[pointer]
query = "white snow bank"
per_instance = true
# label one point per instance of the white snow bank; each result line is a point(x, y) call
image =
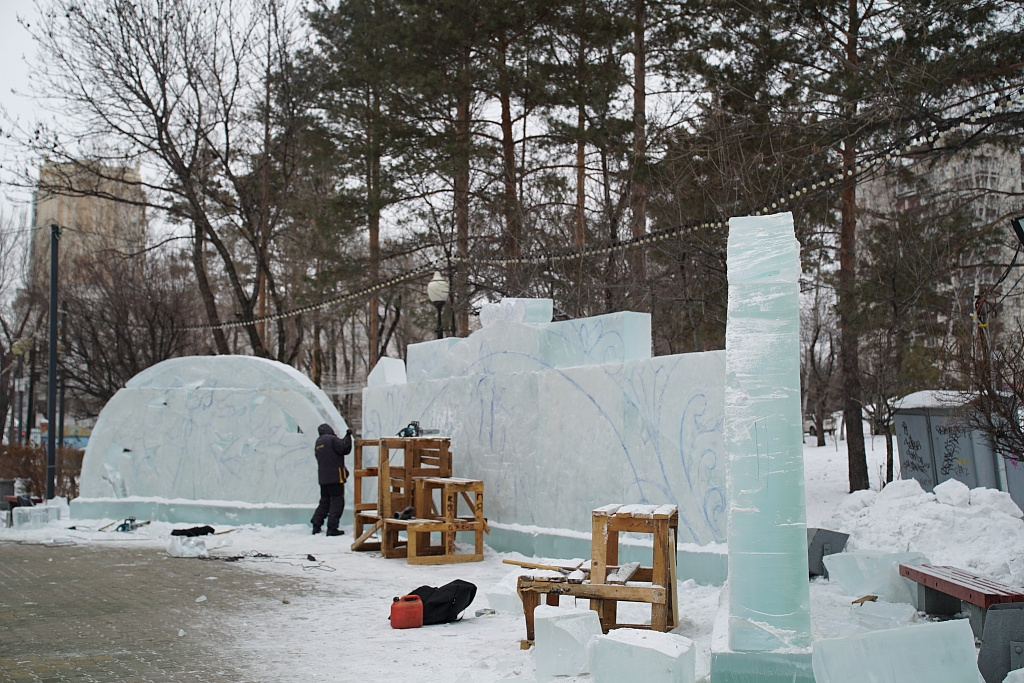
point(979, 530)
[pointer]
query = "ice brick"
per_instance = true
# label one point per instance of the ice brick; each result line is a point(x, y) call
point(561, 637)
point(934, 652)
point(768, 592)
point(210, 428)
point(641, 655)
point(518, 311)
point(420, 359)
point(503, 596)
point(1015, 676)
point(34, 517)
point(386, 371)
point(872, 573)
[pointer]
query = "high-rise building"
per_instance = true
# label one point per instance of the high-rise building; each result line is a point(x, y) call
point(100, 208)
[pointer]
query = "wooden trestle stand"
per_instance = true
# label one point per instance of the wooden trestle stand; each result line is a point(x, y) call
point(426, 467)
point(610, 582)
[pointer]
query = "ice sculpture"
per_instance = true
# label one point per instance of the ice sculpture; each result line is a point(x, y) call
point(561, 640)
point(204, 431)
point(386, 371)
point(559, 418)
point(941, 652)
point(769, 599)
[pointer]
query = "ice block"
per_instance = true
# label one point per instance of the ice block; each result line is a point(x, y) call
point(768, 591)
point(503, 596)
point(386, 371)
point(639, 655)
point(935, 652)
point(561, 637)
point(873, 574)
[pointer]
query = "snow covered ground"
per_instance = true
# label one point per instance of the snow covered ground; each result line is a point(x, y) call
point(339, 625)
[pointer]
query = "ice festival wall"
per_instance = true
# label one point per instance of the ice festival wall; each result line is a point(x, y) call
point(207, 439)
point(558, 418)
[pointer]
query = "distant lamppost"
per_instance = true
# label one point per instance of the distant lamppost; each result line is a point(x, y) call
point(437, 292)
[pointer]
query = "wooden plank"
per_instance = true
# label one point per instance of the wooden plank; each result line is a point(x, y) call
point(651, 594)
point(358, 543)
point(623, 574)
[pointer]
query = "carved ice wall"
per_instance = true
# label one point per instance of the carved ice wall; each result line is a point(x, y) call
point(560, 418)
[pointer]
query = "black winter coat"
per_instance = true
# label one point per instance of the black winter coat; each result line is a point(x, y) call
point(330, 455)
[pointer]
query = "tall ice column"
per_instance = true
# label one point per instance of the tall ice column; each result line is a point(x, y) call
point(769, 599)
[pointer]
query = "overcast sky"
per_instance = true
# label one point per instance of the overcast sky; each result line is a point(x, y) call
point(15, 48)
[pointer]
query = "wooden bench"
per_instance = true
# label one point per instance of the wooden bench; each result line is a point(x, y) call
point(942, 590)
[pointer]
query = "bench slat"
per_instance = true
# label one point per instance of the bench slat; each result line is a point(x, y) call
point(971, 588)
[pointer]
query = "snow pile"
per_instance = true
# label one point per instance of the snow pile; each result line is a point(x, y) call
point(979, 530)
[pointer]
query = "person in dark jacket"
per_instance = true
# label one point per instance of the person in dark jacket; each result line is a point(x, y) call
point(332, 474)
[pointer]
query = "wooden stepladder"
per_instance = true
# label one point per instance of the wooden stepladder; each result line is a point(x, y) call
point(366, 521)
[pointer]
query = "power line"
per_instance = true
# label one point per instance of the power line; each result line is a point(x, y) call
point(782, 201)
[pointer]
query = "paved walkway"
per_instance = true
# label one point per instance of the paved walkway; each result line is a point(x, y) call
point(102, 612)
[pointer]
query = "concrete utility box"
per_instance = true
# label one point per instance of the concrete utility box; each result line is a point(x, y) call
point(934, 447)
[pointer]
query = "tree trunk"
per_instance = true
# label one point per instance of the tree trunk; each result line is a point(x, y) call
point(460, 293)
point(888, 455)
point(638, 186)
point(513, 225)
point(205, 292)
point(850, 362)
point(579, 228)
point(373, 223)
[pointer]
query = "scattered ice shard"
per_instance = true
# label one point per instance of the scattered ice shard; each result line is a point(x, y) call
point(934, 652)
point(628, 654)
point(561, 637)
point(878, 615)
point(769, 596)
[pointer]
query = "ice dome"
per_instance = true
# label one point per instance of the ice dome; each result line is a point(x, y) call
point(210, 430)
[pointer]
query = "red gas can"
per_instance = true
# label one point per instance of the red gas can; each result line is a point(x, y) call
point(407, 612)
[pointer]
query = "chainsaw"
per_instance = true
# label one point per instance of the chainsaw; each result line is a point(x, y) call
point(414, 430)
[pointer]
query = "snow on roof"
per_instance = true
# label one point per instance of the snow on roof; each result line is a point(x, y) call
point(933, 398)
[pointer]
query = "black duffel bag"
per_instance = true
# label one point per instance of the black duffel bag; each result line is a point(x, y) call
point(445, 604)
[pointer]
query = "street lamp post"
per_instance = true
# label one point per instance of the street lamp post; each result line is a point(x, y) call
point(437, 292)
point(51, 394)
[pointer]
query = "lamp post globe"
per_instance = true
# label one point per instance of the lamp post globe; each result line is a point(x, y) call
point(437, 292)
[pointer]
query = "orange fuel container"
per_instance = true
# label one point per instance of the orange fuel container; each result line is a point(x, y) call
point(407, 612)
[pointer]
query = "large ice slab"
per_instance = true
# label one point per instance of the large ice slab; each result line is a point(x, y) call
point(935, 652)
point(561, 637)
point(552, 444)
point(768, 592)
point(641, 655)
point(878, 574)
point(211, 428)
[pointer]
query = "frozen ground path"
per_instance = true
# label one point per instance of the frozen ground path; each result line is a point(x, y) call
point(113, 613)
point(110, 608)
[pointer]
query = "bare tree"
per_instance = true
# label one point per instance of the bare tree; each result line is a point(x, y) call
point(196, 93)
